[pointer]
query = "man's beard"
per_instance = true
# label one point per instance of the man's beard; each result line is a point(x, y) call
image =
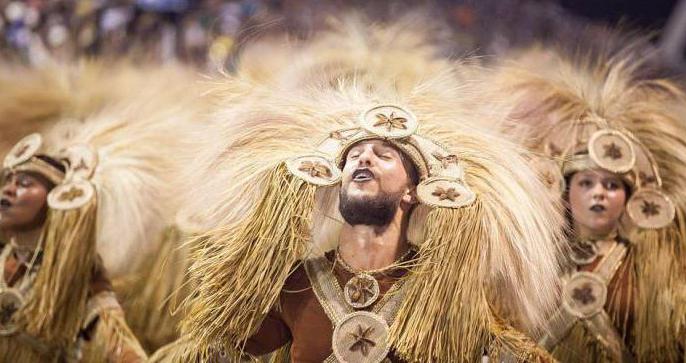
point(371, 211)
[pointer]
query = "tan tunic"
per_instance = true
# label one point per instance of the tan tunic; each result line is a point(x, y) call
point(301, 320)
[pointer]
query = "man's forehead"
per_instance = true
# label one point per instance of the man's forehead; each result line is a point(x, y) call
point(372, 142)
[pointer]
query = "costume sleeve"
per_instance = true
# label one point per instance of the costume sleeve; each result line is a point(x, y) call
point(105, 336)
point(272, 334)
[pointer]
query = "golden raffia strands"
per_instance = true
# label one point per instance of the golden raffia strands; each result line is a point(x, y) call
point(56, 306)
point(509, 236)
point(245, 266)
point(111, 324)
point(152, 299)
point(548, 87)
point(452, 244)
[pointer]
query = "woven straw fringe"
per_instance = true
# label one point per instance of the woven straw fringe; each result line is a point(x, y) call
point(580, 346)
point(444, 316)
point(660, 256)
point(510, 343)
point(112, 340)
point(244, 267)
point(12, 350)
point(150, 301)
point(57, 303)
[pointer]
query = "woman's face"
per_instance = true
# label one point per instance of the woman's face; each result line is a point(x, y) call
point(597, 199)
point(23, 203)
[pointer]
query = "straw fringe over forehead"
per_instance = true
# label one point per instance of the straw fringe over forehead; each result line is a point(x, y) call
point(549, 88)
point(508, 235)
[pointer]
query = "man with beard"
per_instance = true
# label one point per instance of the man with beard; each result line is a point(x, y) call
point(416, 227)
point(377, 194)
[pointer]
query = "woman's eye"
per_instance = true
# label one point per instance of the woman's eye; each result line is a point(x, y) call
point(585, 183)
point(612, 186)
point(23, 182)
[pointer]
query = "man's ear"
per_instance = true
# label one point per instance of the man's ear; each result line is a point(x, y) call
point(411, 196)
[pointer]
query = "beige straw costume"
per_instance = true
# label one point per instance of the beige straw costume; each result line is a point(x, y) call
point(263, 277)
point(626, 301)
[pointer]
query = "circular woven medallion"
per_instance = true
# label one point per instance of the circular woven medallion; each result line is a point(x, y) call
point(444, 193)
point(389, 121)
point(23, 150)
point(82, 161)
point(584, 295)
point(650, 208)
point(360, 337)
point(612, 151)
point(10, 301)
point(71, 195)
point(550, 173)
point(583, 252)
point(361, 291)
point(314, 169)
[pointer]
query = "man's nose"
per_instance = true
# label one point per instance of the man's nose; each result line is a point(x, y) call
point(365, 158)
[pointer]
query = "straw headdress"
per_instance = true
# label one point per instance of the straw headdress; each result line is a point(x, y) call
point(565, 108)
point(112, 200)
point(264, 215)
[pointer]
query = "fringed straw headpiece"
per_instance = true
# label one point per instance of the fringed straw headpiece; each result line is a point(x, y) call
point(57, 300)
point(592, 143)
point(600, 112)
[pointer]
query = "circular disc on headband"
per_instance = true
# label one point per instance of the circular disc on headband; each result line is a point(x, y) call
point(360, 337)
point(389, 121)
point(612, 151)
point(10, 301)
point(584, 295)
point(71, 195)
point(445, 193)
point(82, 161)
point(23, 150)
point(314, 169)
point(361, 291)
point(550, 174)
point(650, 208)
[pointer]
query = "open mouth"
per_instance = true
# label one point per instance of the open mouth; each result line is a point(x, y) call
point(362, 175)
point(598, 208)
point(5, 203)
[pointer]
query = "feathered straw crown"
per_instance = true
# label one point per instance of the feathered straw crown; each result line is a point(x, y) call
point(112, 200)
point(602, 112)
point(271, 197)
point(57, 300)
point(593, 143)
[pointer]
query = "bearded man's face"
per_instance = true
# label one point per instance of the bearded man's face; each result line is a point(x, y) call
point(376, 180)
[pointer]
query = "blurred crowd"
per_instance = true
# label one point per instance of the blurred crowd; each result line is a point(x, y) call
point(207, 33)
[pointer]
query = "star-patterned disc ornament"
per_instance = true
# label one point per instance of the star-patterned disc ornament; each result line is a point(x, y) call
point(314, 169)
point(82, 161)
point(389, 121)
point(444, 192)
point(650, 208)
point(71, 195)
point(550, 173)
point(612, 151)
point(583, 252)
point(10, 301)
point(361, 336)
point(361, 291)
point(23, 150)
point(584, 295)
